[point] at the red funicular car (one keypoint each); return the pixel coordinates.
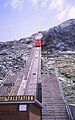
(38, 38)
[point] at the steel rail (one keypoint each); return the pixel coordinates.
(65, 101)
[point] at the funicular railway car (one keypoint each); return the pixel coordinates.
(38, 39)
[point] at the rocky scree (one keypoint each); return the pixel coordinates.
(56, 41)
(60, 38)
(14, 54)
(58, 55)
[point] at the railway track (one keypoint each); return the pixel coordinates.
(30, 82)
(24, 83)
(45, 89)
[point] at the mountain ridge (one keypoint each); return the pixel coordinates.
(13, 54)
(60, 37)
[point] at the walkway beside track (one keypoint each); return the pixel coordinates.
(52, 100)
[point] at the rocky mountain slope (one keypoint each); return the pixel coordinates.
(58, 55)
(60, 38)
(13, 55)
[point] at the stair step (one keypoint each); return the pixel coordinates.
(50, 100)
(56, 117)
(53, 102)
(54, 106)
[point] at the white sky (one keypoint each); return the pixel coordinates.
(22, 18)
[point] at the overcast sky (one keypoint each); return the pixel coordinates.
(22, 18)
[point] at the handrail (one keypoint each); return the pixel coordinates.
(65, 101)
(66, 104)
(44, 107)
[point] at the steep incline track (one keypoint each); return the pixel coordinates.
(29, 83)
(26, 82)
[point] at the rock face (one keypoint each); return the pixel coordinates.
(60, 38)
(14, 54)
(59, 43)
